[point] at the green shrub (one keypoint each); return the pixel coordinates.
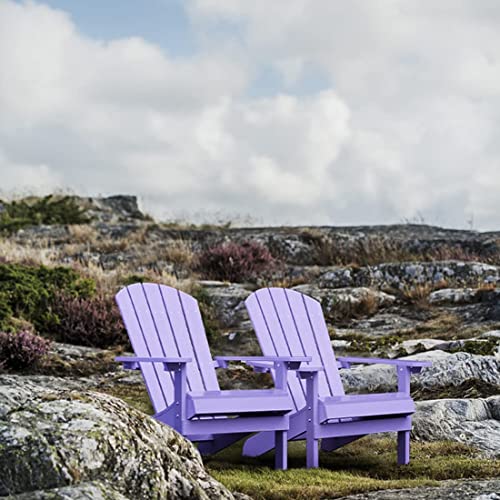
(47, 210)
(28, 292)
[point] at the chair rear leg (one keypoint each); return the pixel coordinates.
(281, 452)
(403, 447)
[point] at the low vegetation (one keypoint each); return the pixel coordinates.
(88, 321)
(21, 350)
(237, 262)
(366, 465)
(48, 210)
(28, 292)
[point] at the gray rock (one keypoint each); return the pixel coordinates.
(51, 438)
(449, 490)
(408, 274)
(448, 369)
(95, 490)
(453, 296)
(414, 345)
(228, 303)
(382, 324)
(492, 334)
(329, 298)
(475, 422)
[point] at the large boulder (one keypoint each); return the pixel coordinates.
(59, 438)
(475, 422)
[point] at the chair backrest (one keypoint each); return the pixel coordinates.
(163, 321)
(290, 323)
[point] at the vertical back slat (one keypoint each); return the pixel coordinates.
(290, 334)
(199, 340)
(173, 306)
(268, 346)
(290, 323)
(134, 311)
(318, 325)
(297, 305)
(162, 321)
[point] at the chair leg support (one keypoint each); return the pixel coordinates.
(312, 453)
(312, 443)
(403, 447)
(281, 451)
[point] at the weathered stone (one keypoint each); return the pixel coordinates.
(448, 490)
(228, 303)
(329, 298)
(55, 438)
(418, 345)
(382, 324)
(475, 422)
(95, 490)
(407, 274)
(448, 369)
(453, 296)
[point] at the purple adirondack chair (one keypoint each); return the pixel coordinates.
(167, 334)
(292, 324)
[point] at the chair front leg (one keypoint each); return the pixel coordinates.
(312, 449)
(404, 376)
(179, 395)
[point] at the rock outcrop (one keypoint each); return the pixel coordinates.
(475, 422)
(448, 369)
(82, 441)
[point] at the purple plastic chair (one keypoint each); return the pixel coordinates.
(289, 323)
(166, 331)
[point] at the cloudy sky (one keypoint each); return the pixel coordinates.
(281, 112)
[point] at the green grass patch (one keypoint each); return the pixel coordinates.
(135, 395)
(366, 465)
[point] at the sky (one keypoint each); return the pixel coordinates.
(295, 112)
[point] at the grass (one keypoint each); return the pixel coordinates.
(366, 465)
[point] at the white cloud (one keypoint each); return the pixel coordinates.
(410, 123)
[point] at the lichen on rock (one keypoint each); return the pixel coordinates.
(53, 438)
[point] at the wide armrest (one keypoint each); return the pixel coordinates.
(346, 361)
(263, 363)
(169, 364)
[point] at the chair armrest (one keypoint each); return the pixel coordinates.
(169, 364)
(414, 365)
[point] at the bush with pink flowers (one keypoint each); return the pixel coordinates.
(21, 350)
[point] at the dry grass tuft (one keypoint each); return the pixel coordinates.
(40, 253)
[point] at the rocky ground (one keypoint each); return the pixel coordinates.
(397, 291)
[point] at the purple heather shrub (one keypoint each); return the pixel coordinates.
(21, 350)
(237, 262)
(92, 322)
